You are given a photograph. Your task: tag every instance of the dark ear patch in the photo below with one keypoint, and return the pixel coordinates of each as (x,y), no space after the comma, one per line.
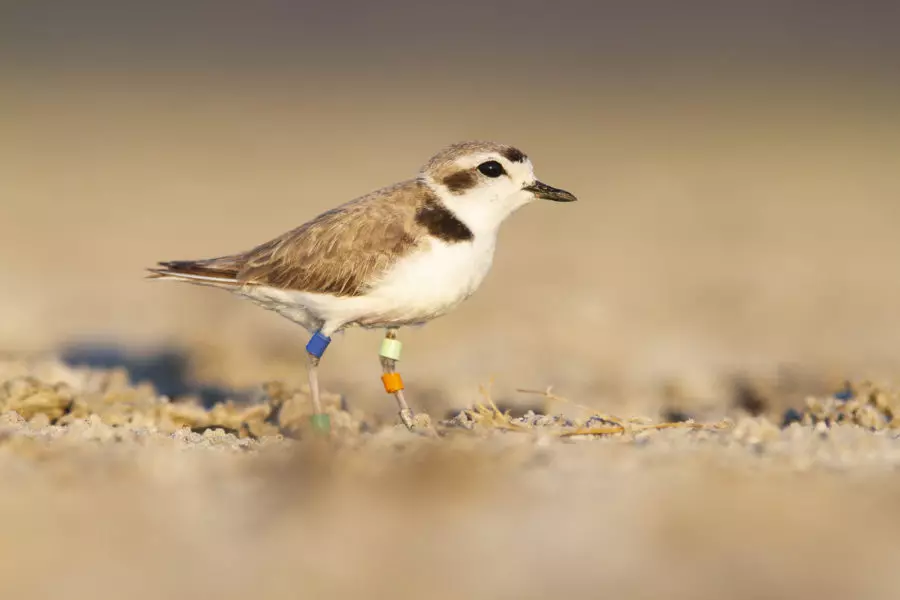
(441,223)
(460,181)
(514,155)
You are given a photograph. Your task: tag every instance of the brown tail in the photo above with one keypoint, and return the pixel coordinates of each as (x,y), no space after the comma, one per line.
(219,272)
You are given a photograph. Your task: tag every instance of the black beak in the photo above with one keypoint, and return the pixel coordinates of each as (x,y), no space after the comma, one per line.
(546,192)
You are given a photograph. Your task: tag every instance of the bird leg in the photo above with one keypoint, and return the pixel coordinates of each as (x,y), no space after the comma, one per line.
(315,349)
(393,384)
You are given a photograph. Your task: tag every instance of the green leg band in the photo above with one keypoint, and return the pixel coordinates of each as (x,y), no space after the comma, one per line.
(390,348)
(320,422)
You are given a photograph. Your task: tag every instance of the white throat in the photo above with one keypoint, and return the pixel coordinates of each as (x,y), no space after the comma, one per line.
(482,210)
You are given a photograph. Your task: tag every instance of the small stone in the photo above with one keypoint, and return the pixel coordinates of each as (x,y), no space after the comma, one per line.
(39,421)
(44,401)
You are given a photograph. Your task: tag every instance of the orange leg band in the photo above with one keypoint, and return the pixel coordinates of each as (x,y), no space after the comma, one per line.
(392,382)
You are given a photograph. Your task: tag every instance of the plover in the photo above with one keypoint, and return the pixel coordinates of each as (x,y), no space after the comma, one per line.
(401,255)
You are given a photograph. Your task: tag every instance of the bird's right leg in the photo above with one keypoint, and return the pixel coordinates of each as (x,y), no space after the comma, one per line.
(315,349)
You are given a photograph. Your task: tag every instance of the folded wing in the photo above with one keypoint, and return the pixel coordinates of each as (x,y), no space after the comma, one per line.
(341,252)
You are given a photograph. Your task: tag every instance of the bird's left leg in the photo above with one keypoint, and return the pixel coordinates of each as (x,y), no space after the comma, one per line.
(393,384)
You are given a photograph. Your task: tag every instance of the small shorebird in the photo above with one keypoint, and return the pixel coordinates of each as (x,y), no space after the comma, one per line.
(401,255)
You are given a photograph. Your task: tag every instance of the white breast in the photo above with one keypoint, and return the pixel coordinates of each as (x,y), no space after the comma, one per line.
(421,286)
(434,280)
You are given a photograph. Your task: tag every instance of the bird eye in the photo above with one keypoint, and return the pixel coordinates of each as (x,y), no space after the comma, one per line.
(491,168)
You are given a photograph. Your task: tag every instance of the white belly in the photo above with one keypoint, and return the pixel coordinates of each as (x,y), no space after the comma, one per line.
(424,285)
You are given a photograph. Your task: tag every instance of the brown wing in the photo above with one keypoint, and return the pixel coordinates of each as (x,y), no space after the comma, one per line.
(341,250)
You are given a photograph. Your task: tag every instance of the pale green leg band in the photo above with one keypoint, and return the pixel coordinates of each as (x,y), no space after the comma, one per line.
(390,348)
(321,422)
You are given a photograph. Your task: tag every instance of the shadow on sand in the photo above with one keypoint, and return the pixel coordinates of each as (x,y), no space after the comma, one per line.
(167,369)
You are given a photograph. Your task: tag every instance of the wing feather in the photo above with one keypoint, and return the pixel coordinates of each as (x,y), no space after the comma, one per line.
(342,251)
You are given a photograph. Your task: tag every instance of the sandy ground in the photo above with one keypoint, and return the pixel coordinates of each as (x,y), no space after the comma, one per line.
(109,487)
(729,231)
(731,259)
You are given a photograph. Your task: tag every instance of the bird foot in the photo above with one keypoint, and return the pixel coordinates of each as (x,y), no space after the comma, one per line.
(408,418)
(417,423)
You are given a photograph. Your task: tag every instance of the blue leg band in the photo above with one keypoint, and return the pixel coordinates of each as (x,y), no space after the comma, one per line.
(317,344)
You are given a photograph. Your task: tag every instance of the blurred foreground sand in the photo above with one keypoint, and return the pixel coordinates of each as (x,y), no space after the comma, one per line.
(100,506)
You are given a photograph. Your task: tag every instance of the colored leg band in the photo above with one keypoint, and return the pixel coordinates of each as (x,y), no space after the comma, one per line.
(317,344)
(321,423)
(392,382)
(390,348)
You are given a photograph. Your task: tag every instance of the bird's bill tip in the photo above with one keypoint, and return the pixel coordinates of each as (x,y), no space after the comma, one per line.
(547,192)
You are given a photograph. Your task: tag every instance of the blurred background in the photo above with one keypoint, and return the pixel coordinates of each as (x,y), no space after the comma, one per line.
(737,165)
(734,248)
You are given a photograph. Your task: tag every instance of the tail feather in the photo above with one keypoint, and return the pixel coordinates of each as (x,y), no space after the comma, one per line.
(219,272)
